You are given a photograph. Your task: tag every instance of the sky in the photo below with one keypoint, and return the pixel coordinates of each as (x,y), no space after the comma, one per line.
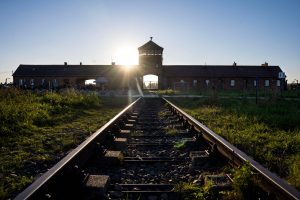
(194,32)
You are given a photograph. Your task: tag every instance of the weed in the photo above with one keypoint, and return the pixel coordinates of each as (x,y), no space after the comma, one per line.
(172,131)
(189,191)
(180,145)
(294,170)
(269,131)
(3,192)
(197,192)
(165,92)
(242,179)
(37,130)
(162,114)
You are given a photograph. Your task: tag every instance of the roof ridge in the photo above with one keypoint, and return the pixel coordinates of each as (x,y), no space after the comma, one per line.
(150,45)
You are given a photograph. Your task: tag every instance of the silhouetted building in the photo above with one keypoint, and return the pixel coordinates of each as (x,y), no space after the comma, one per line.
(181,77)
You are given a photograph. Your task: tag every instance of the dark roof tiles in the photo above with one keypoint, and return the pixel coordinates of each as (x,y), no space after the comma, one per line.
(68,70)
(213,71)
(221,71)
(150,46)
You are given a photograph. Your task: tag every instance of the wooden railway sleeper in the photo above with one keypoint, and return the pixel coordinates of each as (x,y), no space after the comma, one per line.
(217,148)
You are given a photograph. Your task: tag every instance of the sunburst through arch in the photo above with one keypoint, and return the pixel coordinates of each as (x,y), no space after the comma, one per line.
(150,82)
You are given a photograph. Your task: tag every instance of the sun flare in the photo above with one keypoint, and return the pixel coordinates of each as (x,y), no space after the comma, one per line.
(126,55)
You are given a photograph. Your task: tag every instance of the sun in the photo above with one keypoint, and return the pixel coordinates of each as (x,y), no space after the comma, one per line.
(126,55)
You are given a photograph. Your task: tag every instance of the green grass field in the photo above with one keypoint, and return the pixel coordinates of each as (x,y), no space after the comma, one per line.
(231,93)
(37,130)
(269,131)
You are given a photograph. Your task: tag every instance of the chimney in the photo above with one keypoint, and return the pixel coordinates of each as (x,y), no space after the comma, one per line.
(265,64)
(113,63)
(234,64)
(80,63)
(65,63)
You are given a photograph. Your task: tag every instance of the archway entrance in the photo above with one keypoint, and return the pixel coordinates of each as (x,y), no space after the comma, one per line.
(90,82)
(150,82)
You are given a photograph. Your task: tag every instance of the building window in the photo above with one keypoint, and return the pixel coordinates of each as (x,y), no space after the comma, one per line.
(267,83)
(278,83)
(232,83)
(207,82)
(66,81)
(54,83)
(195,82)
(181,81)
(20,82)
(254,83)
(32,82)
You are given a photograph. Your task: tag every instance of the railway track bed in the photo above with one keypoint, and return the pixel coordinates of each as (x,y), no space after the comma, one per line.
(148,151)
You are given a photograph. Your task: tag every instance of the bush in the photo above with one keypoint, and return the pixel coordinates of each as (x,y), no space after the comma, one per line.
(165,92)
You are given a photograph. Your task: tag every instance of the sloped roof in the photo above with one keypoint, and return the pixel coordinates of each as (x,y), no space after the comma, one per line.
(221,71)
(213,71)
(69,70)
(150,46)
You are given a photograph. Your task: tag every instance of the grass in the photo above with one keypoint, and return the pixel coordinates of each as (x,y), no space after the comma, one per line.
(269,131)
(37,130)
(231,93)
(196,192)
(180,145)
(189,191)
(171,131)
(165,92)
(243,187)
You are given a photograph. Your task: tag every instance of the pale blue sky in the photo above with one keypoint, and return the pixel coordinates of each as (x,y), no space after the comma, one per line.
(249,32)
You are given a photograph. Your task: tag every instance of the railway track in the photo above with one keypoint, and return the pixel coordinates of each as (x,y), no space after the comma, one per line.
(149,151)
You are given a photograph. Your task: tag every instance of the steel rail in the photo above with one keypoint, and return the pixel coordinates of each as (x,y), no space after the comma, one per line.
(277,185)
(81,154)
(76,157)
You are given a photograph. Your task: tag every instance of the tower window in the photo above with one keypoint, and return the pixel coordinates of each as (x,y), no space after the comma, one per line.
(232,83)
(207,82)
(267,83)
(195,82)
(278,83)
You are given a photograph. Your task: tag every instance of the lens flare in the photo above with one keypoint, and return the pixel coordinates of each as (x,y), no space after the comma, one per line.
(126,56)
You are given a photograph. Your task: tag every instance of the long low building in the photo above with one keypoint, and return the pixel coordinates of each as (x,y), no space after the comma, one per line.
(178,77)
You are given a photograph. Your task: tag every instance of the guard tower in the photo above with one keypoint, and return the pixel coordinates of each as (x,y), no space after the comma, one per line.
(150,55)
(150,60)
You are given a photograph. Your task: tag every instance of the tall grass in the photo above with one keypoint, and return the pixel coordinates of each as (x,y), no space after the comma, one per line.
(21,111)
(37,130)
(269,131)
